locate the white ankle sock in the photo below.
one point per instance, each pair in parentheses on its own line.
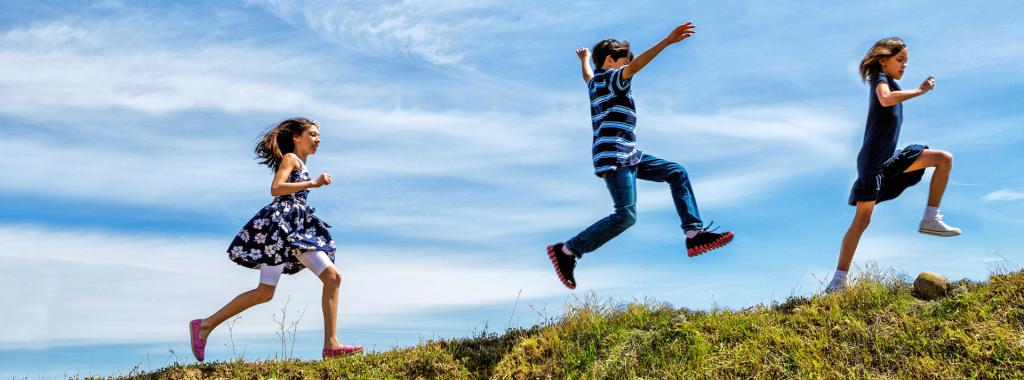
(691,233)
(930,212)
(565,250)
(839,278)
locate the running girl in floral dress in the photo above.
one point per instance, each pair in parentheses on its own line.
(285,236)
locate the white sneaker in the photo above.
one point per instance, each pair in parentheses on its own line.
(937,227)
(835,286)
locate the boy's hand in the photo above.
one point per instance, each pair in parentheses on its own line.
(583,53)
(680,33)
(927,85)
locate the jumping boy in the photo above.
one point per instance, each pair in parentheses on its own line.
(619,163)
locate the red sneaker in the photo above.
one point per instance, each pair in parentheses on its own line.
(706,240)
(564,265)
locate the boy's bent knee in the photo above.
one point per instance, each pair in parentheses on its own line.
(624,218)
(676,173)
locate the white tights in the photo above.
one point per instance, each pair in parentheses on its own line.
(316,261)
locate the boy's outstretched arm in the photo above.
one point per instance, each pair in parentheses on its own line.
(584,55)
(678,34)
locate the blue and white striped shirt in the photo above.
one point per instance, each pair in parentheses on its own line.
(614,118)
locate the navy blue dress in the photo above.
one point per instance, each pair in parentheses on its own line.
(281,230)
(880,172)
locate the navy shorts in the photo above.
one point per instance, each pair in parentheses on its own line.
(890,181)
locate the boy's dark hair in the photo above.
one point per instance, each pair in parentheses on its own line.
(610,48)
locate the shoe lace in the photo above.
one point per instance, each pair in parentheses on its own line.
(710,227)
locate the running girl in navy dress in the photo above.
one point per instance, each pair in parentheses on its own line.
(883,175)
(284,236)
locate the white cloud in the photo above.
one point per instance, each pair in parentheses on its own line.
(436,31)
(517,172)
(65,286)
(779,127)
(907,250)
(75,286)
(74,68)
(401,187)
(1004,195)
(510,164)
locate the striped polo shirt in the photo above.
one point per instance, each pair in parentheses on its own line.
(614,119)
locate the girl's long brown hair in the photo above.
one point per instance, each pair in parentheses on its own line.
(884,48)
(277,142)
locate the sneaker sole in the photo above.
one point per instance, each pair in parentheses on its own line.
(835,290)
(938,233)
(342,355)
(702,249)
(554,262)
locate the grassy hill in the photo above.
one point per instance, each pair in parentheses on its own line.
(877,329)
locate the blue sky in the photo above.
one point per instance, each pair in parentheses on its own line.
(458,137)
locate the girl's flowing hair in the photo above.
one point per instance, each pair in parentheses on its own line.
(277,141)
(886,47)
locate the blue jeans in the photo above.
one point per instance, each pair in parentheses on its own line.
(622,186)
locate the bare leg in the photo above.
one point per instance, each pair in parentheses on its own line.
(331,278)
(262,293)
(860,223)
(942,161)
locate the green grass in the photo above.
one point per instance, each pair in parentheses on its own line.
(876,330)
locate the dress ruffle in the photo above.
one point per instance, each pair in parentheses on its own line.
(281,230)
(888,181)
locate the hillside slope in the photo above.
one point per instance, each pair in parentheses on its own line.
(877,329)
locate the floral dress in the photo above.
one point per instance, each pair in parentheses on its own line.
(281,230)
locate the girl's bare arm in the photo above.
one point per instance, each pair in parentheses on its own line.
(281,186)
(890,98)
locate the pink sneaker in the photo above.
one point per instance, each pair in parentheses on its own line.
(343,351)
(198,343)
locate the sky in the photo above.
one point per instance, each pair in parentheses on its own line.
(458,137)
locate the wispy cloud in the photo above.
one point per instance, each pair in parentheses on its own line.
(57,280)
(70,67)
(495,155)
(74,286)
(1004,195)
(400,187)
(436,31)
